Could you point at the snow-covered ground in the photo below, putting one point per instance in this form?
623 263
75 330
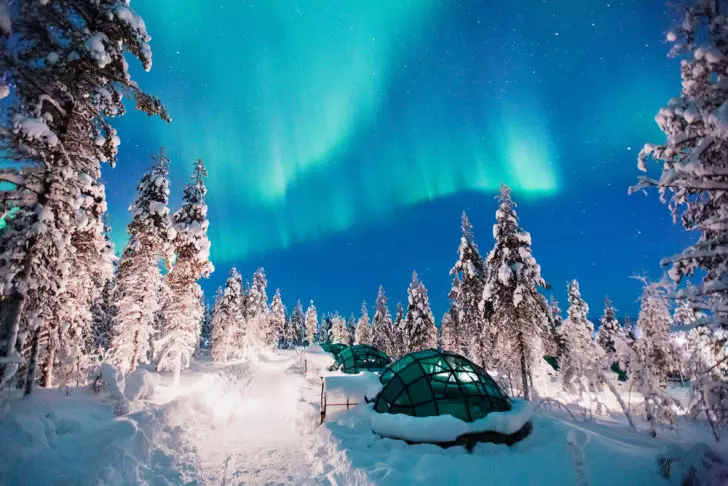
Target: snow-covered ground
257 422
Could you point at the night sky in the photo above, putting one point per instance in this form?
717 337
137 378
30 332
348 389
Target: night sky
344 138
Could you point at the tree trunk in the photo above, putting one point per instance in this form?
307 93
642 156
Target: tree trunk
177 368
524 367
47 380
32 362
11 324
134 352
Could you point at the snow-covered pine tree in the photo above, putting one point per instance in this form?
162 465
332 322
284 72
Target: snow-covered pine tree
183 311
515 312
582 352
102 316
324 335
363 331
206 328
448 332
654 325
609 328
258 314
138 281
296 327
453 336
383 337
419 330
557 344
277 322
351 329
694 183
467 290
226 314
339 332
654 357
65 89
398 337
311 323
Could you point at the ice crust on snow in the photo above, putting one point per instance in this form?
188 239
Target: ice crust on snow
446 428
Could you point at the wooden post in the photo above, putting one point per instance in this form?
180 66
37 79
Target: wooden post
323 400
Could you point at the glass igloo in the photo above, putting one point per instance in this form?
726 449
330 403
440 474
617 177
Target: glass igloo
360 357
431 382
333 348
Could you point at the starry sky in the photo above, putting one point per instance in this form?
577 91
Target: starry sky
344 138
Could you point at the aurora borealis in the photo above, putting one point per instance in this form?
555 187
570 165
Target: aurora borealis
343 138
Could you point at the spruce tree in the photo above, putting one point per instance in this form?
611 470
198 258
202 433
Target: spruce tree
419 330
398 337
225 316
351 329
516 313
453 335
66 81
326 329
363 331
295 329
467 291
206 328
383 332
257 313
581 351
183 311
449 337
311 323
102 316
609 328
138 281
558 344
339 332
693 183
654 358
275 336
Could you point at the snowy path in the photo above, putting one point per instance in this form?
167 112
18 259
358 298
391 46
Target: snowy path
260 442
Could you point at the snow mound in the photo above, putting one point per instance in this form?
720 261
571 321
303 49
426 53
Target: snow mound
141 384
317 360
446 428
114 380
697 465
364 384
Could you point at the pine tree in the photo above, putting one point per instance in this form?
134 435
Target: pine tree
325 332
581 350
102 316
311 323
295 329
225 316
694 183
515 312
383 332
654 359
183 311
275 336
398 339
138 281
351 330
339 332
363 330
453 335
66 86
609 328
558 345
257 312
654 325
206 328
467 291
448 332
419 330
